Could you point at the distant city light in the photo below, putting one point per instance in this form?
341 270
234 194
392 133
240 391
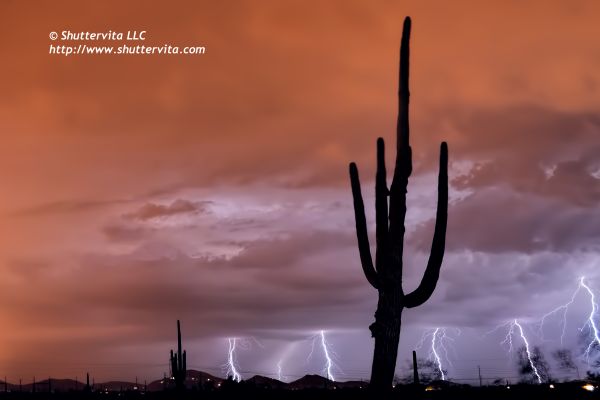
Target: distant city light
588 387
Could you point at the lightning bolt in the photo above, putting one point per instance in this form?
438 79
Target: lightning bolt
255 340
328 354
535 371
562 311
508 342
329 362
289 348
435 354
312 349
440 341
231 369
590 322
279 376
509 335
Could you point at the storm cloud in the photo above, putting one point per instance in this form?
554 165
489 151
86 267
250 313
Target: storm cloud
214 189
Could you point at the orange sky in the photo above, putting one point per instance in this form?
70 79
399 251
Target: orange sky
286 95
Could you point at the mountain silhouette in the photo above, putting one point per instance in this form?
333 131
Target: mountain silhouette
192 379
312 382
264 382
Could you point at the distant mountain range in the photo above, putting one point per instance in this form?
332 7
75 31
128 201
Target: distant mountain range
319 382
193 379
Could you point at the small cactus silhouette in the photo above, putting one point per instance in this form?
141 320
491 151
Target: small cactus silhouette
88 387
415 369
178 362
386 275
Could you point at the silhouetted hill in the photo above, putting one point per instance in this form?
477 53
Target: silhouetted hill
9 386
158 385
202 376
311 382
61 385
193 378
352 385
118 386
267 383
57 385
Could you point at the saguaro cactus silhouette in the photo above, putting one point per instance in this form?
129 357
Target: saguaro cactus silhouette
386 275
178 362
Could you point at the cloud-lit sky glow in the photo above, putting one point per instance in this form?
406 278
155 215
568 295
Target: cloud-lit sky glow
144 189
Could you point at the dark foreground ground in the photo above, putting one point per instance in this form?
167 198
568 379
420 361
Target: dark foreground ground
566 391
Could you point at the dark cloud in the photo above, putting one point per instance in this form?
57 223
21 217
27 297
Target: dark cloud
530 149
124 233
254 291
180 206
290 249
498 219
481 290
65 207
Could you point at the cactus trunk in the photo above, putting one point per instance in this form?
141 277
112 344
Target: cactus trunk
386 274
385 353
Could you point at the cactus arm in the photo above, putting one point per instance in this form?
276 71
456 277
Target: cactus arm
381 207
179 359
403 166
361 228
422 293
173 364
403 159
